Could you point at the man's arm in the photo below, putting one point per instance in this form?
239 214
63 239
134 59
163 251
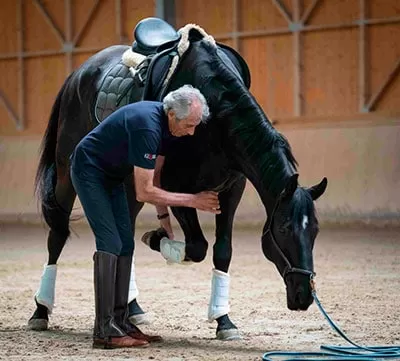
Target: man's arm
147 192
161 209
165 221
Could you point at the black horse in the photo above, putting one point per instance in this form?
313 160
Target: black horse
237 143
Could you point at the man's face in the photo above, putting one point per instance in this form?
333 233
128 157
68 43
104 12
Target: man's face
187 125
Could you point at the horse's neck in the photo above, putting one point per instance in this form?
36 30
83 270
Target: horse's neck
268 170
268 195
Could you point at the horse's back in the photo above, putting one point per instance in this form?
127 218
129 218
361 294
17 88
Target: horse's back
90 73
76 113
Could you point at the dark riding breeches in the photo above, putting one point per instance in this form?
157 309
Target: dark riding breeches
106 208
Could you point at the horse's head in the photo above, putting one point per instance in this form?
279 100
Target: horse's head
288 240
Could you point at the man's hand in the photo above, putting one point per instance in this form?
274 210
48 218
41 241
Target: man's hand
166 224
207 201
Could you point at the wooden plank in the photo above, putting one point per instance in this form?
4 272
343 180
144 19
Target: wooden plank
384 55
101 30
9 116
330 81
42 83
8 27
217 20
383 9
342 121
333 12
40 34
132 13
258 15
271 65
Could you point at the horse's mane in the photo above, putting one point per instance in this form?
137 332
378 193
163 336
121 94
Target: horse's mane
230 100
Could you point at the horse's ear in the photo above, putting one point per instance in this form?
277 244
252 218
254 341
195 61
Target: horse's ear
318 190
291 186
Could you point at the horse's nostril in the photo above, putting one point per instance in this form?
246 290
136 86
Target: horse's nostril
300 297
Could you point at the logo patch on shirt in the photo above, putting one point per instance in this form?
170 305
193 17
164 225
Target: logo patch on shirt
150 156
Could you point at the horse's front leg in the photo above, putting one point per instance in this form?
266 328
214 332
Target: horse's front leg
194 249
218 308
196 245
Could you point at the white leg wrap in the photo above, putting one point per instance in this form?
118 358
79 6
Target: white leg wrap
46 292
219 300
172 251
133 290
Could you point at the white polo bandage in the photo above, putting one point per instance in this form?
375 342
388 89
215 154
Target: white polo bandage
133 290
172 251
219 300
46 292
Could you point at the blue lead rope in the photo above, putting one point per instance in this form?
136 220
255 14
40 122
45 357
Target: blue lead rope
337 353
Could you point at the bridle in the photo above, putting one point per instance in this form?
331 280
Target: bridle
288 268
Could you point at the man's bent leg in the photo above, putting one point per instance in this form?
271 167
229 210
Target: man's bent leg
96 202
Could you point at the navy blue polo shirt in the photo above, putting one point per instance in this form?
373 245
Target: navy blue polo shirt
131 136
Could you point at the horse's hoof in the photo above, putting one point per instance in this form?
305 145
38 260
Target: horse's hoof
229 335
139 319
183 263
38 324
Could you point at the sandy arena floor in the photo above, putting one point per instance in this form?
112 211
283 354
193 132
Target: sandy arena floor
358 282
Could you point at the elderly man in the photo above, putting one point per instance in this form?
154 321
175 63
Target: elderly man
128 141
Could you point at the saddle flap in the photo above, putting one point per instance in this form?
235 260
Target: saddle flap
151 33
114 92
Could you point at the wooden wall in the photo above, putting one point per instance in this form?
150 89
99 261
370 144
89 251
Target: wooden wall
332 88
325 63
92 26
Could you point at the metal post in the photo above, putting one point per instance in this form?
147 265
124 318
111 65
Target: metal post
160 11
68 45
21 66
362 59
297 103
235 22
118 22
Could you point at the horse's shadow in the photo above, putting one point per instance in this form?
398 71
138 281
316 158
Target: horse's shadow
169 342
208 344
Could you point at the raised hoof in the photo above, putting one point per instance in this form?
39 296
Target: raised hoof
183 263
139 319
152 238
38 324
229 335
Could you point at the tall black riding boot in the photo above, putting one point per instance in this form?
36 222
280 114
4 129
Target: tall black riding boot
107 334
121 312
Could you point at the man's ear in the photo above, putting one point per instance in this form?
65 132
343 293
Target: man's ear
171 114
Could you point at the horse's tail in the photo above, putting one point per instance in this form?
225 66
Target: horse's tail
46 169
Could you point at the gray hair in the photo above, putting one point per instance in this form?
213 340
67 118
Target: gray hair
181 99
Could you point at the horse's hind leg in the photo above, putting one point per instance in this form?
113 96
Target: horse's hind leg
219 300
56 207
136 314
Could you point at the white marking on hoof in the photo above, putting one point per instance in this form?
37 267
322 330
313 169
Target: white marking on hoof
38 324
139 319
229 335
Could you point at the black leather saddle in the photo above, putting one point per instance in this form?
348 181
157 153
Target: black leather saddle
153 34
155 39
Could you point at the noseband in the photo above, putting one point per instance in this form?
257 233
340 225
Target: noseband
289 268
